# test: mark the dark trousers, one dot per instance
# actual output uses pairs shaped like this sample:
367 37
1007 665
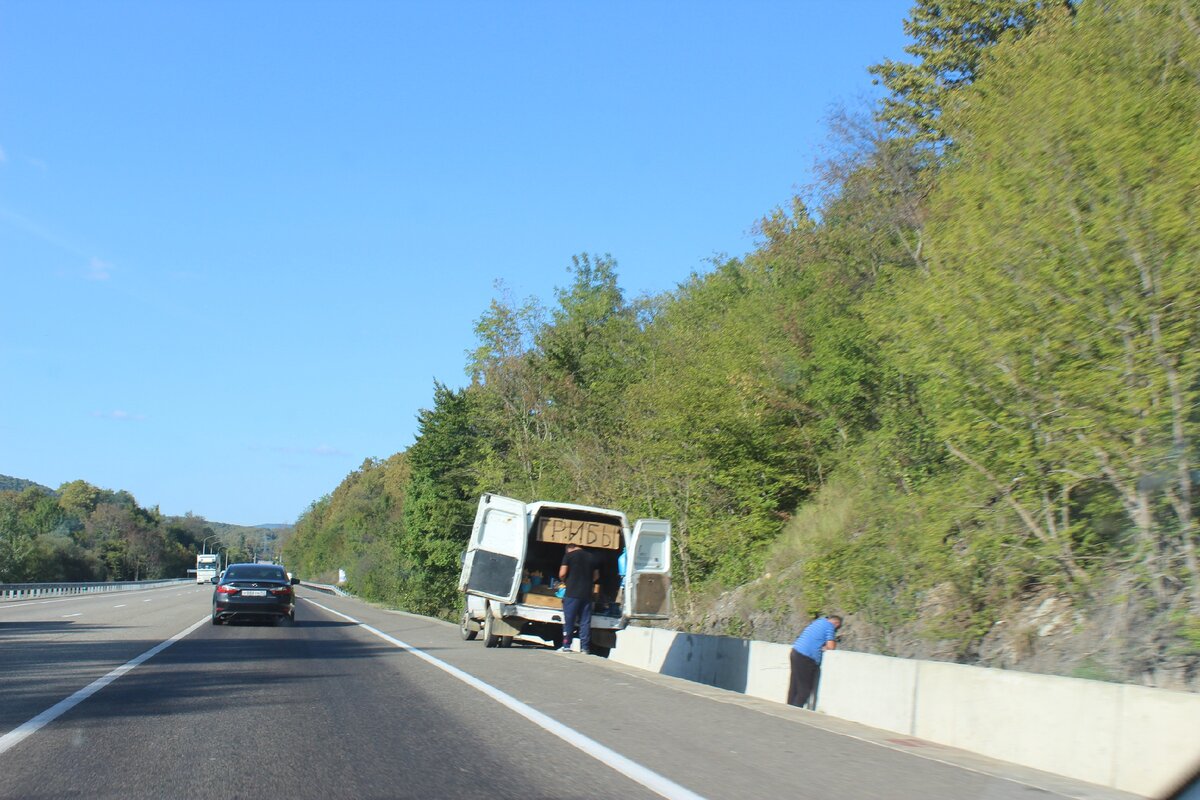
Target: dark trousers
806 674
577 611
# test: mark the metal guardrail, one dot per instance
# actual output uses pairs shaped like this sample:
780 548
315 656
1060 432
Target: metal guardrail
327 588
26 591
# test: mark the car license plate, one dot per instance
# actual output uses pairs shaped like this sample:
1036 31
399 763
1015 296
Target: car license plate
254 592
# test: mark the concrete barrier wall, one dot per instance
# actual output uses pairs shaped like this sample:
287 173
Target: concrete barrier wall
1056 724
1155 730
767 671
1131 738
875 690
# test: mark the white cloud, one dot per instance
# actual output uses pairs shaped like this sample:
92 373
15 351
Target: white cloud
95 269
99 270
119 415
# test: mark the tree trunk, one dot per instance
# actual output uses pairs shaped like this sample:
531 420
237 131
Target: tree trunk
1065 557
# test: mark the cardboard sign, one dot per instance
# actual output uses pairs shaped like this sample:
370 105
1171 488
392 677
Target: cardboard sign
580 532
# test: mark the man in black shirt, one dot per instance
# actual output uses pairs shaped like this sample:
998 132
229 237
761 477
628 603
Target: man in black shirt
579 573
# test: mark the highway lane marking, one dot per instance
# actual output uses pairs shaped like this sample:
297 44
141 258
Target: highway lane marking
656 783
24 603
148 600
9 605
121 606
76 614
21 732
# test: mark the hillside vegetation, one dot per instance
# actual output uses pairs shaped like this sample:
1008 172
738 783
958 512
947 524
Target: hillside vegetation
950 394
11 484
80 532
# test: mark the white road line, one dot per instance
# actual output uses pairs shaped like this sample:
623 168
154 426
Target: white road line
25 603
9 605
630 769
76 614
19 733
120 606
148 600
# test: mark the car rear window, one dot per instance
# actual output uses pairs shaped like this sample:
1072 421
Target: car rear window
255 573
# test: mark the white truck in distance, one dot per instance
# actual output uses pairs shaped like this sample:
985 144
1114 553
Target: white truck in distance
207 566
516 550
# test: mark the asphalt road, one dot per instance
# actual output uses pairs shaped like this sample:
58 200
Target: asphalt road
328 708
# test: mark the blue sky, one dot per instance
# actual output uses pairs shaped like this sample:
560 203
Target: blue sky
239 241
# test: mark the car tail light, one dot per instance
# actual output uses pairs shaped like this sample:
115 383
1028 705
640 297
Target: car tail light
282 590
226 589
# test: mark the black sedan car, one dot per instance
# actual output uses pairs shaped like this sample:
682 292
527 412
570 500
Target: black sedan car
254 591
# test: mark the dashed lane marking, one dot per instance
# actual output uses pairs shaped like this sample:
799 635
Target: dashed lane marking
24 603
9 605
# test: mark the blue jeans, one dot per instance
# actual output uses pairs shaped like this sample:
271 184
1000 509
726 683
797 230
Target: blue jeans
577 610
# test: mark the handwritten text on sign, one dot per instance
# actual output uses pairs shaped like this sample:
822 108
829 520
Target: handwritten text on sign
580 532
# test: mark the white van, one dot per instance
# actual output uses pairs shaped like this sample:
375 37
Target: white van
514 556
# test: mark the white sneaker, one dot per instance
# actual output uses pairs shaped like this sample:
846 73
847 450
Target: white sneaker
563 650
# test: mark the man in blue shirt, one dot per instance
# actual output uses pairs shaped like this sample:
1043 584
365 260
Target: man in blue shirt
810 645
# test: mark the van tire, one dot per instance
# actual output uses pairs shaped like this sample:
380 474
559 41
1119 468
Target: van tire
464 628
489 639
506 641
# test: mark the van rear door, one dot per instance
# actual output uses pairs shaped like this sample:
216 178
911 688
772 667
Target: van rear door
649 579
492 565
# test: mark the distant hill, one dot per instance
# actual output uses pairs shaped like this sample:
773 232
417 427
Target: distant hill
11 484
226 529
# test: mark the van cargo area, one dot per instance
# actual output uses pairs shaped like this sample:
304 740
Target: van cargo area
516 550
544 557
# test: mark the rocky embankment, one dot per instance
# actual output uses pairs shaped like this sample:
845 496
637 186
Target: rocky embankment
1105 636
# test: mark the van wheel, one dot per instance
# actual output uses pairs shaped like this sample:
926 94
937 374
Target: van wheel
506 641
464 628
489 639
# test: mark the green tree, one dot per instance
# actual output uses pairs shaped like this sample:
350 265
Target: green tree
356 528
440 499
512 401
950 39
78 498
1058 323
718 434
588 355
16 542
551 386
